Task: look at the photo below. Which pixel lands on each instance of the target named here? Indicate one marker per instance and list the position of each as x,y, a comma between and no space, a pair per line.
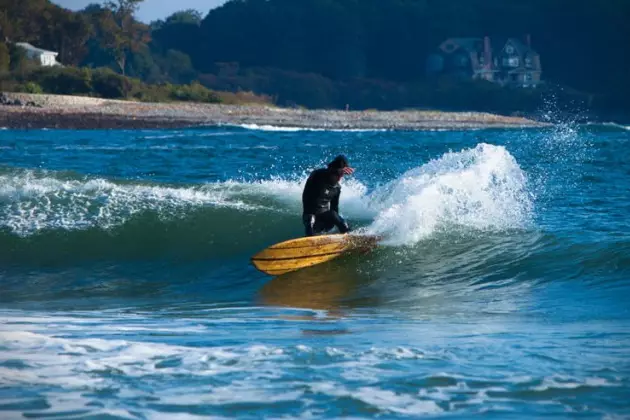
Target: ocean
501,287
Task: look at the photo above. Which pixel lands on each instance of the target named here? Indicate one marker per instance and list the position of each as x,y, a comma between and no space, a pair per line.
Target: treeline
329,53
105,53
582,44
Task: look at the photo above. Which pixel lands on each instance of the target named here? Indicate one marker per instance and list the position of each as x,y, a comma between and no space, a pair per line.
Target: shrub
32,87
108,84
193,92
242,98
64,80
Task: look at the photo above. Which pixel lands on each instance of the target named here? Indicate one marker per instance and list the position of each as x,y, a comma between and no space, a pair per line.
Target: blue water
501,287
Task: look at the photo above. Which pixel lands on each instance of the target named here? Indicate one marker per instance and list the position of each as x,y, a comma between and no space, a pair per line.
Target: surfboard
299,253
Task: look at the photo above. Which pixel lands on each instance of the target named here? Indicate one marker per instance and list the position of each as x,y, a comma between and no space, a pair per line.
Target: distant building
509,62
43,57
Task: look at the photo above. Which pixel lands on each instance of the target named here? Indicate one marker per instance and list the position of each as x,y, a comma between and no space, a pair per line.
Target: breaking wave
482,188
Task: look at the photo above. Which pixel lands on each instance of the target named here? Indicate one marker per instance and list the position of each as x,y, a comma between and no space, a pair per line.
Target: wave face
479,189
500,286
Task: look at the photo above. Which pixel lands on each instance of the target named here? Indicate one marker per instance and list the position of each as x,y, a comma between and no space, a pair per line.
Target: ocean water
502,286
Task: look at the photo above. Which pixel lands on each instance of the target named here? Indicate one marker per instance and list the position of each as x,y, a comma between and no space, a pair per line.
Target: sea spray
481,188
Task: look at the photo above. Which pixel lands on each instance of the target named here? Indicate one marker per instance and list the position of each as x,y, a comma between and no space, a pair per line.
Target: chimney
487,52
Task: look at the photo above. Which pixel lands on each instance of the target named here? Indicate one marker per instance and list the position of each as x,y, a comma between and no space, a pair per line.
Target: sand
76,112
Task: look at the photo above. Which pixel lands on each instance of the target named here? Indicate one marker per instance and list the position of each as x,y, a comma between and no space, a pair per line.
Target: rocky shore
21,111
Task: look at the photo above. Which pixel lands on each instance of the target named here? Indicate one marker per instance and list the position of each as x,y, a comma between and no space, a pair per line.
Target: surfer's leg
330,219
338,221
309,224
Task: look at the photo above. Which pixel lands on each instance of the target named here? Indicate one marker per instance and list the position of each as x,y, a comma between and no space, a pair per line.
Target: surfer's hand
348,171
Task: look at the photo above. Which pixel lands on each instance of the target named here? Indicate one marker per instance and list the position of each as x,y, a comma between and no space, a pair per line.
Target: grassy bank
105,83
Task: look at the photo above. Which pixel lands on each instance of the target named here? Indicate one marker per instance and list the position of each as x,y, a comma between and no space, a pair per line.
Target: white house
45,58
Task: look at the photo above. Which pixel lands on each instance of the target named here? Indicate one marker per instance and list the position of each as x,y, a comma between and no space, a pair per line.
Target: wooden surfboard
299,253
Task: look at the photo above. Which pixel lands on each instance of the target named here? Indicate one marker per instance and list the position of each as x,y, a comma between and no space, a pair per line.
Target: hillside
329,54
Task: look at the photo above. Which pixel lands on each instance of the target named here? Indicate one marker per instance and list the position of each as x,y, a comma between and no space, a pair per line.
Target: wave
481,188
128,352
478,189
610,125
265,127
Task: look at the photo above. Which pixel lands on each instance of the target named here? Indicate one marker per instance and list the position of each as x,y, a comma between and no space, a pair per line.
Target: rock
6,100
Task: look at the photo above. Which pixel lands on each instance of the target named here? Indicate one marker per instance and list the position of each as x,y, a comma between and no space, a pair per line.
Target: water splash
481,188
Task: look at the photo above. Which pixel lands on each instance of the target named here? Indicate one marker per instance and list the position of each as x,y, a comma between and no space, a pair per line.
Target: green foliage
108,84
124,7
166,92
349,40
193,92
32,87
18,61
180,32
63,80
326,53
178,67
104,83
47,26
118,33
187,17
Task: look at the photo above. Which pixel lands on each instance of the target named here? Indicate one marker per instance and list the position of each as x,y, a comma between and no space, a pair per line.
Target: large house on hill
509,62
43,57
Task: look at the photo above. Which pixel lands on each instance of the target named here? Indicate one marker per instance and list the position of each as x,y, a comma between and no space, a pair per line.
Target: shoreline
77,112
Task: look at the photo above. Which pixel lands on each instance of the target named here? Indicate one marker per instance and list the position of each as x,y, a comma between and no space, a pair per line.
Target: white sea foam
34,202
480,188
62,354
264,127
611,124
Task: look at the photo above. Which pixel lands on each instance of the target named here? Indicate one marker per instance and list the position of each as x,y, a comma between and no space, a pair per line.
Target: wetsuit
320,201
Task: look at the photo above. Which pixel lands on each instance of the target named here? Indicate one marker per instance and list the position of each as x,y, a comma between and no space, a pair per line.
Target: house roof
34,49
519,45
477,44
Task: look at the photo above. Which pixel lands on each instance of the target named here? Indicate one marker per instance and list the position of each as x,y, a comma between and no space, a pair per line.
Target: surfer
320,199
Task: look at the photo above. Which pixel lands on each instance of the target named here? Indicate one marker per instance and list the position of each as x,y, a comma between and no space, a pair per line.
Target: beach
75,112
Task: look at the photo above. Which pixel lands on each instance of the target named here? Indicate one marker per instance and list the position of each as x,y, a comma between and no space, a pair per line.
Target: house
43,57
509,62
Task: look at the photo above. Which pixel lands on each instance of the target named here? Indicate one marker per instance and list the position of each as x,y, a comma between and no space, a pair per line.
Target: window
511,62
528,62
527,77
509,49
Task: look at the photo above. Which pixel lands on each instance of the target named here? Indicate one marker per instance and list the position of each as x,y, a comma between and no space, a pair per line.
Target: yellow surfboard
299,253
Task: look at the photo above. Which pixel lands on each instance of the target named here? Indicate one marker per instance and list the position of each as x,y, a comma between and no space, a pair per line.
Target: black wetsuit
320,201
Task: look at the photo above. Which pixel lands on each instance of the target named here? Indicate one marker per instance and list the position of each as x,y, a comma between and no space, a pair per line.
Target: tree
124,7
188,17
180,31
120,33
178,67
5,58
6,26
18,59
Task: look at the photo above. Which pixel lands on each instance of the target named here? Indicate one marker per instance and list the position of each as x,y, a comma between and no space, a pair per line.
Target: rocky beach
23,111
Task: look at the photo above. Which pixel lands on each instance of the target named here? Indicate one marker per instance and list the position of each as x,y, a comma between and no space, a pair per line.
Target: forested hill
321,53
